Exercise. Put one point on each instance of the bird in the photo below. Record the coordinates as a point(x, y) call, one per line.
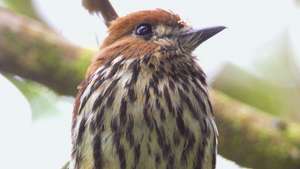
point(144, 103)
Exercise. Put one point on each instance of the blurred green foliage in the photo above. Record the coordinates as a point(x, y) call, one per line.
point(277, 99)
point(245, 87)
point(43, 101)
point(274, 84)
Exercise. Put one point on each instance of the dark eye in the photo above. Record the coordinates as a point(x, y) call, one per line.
point(144, 29)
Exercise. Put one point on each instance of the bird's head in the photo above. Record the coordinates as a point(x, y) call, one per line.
point(152, 31)
point(156, 28)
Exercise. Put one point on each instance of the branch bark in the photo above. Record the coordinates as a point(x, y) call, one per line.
point(247, 135)
point(33, 51)
point(24, 7)
point(253, 138)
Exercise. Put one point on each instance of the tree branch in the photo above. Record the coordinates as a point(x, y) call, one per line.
point(247, 135)
point(31, 50)
point(253, 138)
point(24, 7)
point(104, 7)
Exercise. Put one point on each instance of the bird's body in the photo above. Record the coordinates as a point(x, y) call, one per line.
point(144, 104)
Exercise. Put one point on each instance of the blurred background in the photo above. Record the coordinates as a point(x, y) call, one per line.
point(252, 67)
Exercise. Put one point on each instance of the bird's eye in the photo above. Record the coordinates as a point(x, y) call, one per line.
point(144, 29)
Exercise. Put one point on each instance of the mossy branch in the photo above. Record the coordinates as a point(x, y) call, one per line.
point(247, 135)
point(23, 7)
point(253, 138)
point(33, 51)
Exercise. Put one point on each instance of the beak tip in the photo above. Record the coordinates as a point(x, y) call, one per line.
point(210, 32)
point(219, 29)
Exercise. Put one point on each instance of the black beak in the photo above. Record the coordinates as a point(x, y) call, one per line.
point(191, 39)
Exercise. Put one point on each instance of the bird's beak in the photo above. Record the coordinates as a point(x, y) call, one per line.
point(191, 39)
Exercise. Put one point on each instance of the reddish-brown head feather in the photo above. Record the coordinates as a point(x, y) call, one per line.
point(125, 25)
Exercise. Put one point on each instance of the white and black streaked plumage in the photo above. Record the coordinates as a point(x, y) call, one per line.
point(144, 103)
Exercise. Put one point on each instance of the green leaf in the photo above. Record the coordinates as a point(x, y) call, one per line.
point(44, 102)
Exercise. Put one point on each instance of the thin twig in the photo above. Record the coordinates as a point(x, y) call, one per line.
point(102, 6)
